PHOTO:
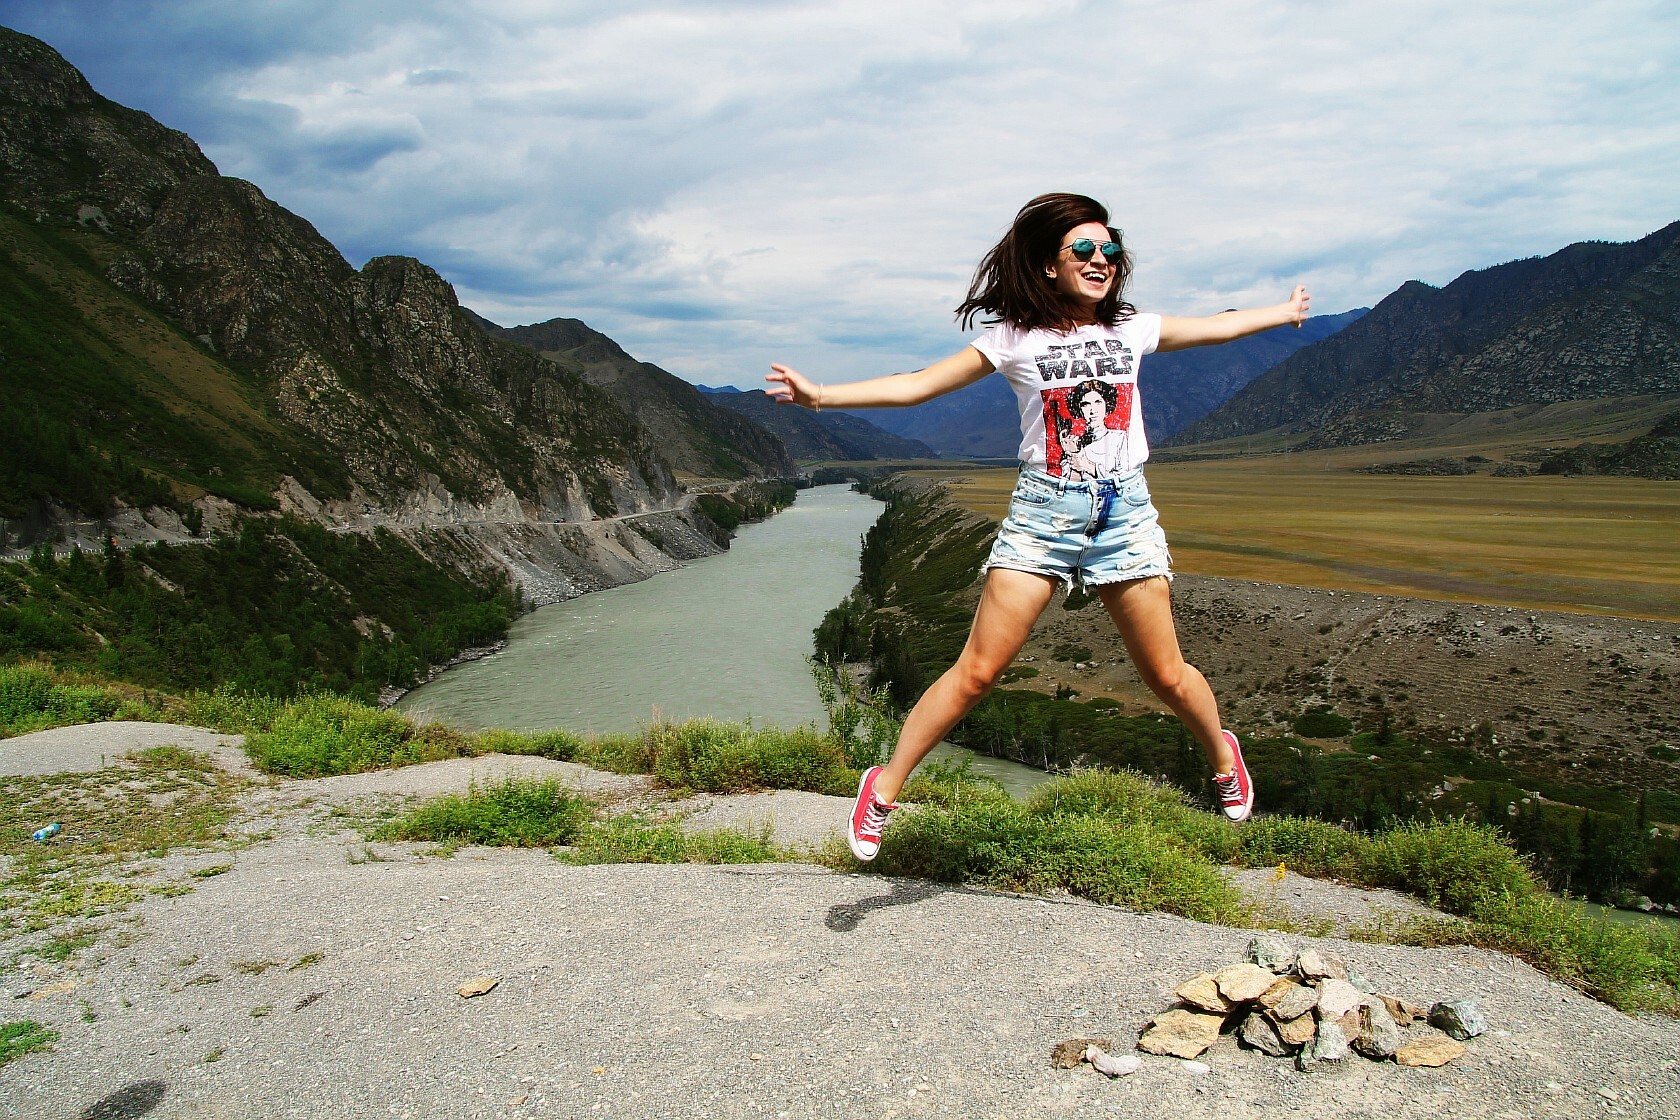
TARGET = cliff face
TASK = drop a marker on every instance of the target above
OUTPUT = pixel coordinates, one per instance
(694, 434)
(182, 349)
(1591, 320)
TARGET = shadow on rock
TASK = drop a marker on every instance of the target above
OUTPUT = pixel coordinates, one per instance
(844, 917)
(134, 1099)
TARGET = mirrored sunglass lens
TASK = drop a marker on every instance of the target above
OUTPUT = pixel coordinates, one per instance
(1111, 251)
(1082, 248)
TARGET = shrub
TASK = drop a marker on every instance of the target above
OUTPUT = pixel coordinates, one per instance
(519, 813)
(323, 734)
(1322, 723)
(1310, 846)
(1452, 865)
(721, 757)
(34, 697)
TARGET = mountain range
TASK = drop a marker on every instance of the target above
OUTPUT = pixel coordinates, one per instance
(828, 435)
(1593, 320)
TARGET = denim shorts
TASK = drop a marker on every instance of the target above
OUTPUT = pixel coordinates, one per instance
(1098, 532)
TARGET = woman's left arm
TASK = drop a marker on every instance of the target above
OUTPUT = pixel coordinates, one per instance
(1181, 334)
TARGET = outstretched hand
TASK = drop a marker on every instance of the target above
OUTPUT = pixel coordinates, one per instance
(1299, 301)
(793, 388)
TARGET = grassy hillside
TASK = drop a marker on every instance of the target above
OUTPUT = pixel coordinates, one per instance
(108, 400)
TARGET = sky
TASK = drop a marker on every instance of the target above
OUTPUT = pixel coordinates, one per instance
(718, 185)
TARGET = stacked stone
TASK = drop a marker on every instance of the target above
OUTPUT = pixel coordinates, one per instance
(1304, 1005)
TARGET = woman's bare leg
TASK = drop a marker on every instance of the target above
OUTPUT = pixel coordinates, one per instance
(1009, 605)
(1142, 610)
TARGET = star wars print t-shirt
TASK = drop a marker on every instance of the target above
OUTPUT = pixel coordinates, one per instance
(1081, 418)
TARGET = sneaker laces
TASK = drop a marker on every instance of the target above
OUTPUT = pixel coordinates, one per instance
(1227, 784)
(875, 815)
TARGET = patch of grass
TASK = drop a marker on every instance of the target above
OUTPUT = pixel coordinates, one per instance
(308, 960)
(261, 1012)
(254, 968)
(24, 1036)
(634, 839)
(1004, 846)
(215, 1055)
(519, 812)
(210, 872)
(324, 734)
(61, 946)
(721, 757)
(165, 798)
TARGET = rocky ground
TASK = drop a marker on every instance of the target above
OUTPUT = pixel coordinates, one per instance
(1560, 692)
(319, 977)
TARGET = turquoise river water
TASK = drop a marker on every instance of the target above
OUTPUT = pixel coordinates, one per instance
(725, 636)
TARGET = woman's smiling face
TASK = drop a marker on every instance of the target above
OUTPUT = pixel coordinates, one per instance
(1084, 282)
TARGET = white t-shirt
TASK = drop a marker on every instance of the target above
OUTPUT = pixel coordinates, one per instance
(1081, 417)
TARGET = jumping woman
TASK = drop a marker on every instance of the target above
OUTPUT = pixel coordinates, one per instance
(1069, 345)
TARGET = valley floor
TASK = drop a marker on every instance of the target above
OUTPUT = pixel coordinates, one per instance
(316, 976)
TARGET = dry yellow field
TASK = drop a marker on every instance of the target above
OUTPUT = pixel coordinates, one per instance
(1592, 545)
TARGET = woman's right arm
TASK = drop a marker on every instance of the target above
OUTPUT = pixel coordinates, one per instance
(895, 391)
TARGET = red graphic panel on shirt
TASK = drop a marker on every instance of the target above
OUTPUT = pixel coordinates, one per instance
(1085, 428)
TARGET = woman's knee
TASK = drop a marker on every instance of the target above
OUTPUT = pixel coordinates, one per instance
(974, 679)
(1165, 679)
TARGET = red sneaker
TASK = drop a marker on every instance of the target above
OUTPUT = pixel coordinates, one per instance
(1236, 792)
(869, 817)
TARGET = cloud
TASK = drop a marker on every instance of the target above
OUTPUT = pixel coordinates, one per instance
(721, 184)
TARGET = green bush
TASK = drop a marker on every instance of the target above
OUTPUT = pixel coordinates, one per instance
(320, 735)
(34, 697)
(1452, 865)
(562, 746)
(519, 813)
(721, 757)
(1322, 723)
(1304, 844)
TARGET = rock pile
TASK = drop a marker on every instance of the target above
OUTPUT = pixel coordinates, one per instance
(1302, 1005)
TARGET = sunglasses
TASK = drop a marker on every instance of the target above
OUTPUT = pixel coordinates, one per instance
(1083, 248)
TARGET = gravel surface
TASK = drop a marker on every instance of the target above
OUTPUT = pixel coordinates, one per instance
(95, 746)
(311, 981)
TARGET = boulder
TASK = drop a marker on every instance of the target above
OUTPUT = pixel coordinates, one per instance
(1272, 952)
(1431, 1050)
(1181, 1033)
(1336, 998)
(1314, 965)
(1260, 1033)
(1400, 1011)
(1460, 1018)
(1242, 983)
(1202, 991)
(1378, 1037)
(1298, 1031)
(1294, 1003)
(1327, 1050)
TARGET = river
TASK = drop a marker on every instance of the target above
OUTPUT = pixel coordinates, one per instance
(725, 636)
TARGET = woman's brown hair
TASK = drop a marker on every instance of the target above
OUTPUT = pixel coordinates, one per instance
(1010, 283)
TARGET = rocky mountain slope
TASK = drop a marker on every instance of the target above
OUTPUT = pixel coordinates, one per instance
(812, 436)
(377, 369)
(1178, 388)
(1593, 320)
(692, 433)
(178, 352)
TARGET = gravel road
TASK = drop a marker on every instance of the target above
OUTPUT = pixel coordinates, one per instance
(311, 981)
